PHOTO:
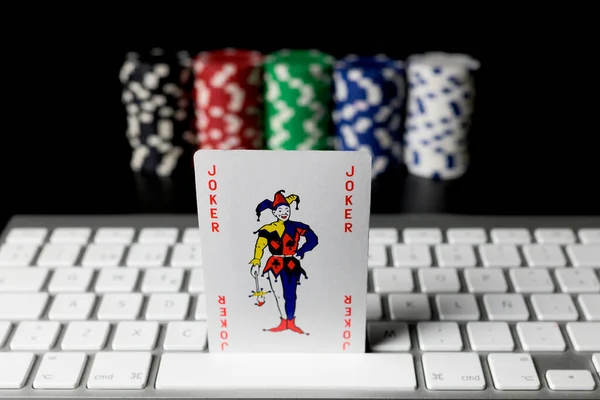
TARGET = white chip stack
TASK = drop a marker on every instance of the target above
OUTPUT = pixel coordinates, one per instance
(438, 119)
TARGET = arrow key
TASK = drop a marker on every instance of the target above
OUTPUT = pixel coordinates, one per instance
(60, 371)
(576, 379)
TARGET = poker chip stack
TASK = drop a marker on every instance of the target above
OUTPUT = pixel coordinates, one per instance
(298, 100)
(369, 100)
(156, 94)
(228, 99)
(439, 109)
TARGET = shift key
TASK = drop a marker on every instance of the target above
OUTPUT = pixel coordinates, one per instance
(116, 370)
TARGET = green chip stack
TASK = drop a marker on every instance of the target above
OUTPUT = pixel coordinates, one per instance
(298, 100)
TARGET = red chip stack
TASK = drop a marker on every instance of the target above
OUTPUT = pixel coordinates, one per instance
(228, 99)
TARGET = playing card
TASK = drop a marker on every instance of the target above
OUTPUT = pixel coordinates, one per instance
(284, 249)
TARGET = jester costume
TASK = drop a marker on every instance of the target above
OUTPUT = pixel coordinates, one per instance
(282, 238)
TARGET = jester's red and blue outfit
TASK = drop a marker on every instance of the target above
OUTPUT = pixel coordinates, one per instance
(282, 238)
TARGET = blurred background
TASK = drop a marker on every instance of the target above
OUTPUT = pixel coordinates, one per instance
(534, 141)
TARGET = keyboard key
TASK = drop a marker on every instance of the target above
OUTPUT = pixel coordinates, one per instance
(85, 335)
(120, 306)
(557, 236)
(158, 236)
(499, 255)
(114, 236)
(596, 362)
(584, 255)
(588, 235)
(439, 336)
(22, 279)
(570, 380)
(466, 235)
(377, 255)
(15, 369)
(191, 236)
(186, 336)
(577, 280)
(22, 306)
(103, 255)
(374, 308)
(457, 307)
(70, 235)
(584, 335)
(4, 331)
(73, 306)
(453, 371)
(510, 235)
(147, 255)
(505, 307)
(412, 256)
(200, 310)
(162, 280)
(114, 370)
(60, 371)
(531, 280)
(35, 335)
(59, 255)
(455, 255)
(392, 280)
(70, 280)
(388, 336)
(186, 255)
(17, 255)
(554, 307)
(383, 236)
(115, 280)
(344, 372)
(137, 335)
(409, 307)
(487, 280)
(26, 235)
(439, 280)
(590, 306)
(490, 336)
(544, 255)
(513, 371)
(196, 281)
(540, 336)
(422, 235)
(168, 307)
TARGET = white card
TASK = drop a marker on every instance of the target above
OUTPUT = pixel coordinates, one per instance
(295, 280)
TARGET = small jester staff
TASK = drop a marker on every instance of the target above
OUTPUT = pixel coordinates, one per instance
(282, 237)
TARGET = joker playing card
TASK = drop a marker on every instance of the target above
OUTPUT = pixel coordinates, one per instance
(284, 249)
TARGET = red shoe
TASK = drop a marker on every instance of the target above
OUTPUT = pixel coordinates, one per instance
(281, 327)
(291, 325)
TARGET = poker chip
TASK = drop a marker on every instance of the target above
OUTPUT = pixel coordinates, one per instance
(298, 100)
(369, 100)
(156, 95)
(228, 99)
(439, 109)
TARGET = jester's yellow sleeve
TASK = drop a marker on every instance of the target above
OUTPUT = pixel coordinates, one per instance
(261, 243)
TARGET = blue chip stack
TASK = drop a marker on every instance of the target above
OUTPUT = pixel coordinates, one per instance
(369, 100)
(439, 108)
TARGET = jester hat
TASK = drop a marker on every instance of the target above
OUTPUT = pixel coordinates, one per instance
(279, 200)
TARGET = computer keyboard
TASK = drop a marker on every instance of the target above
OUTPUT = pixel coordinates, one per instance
(458, 307)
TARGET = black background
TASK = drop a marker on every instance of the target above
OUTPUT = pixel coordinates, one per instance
(535, 142)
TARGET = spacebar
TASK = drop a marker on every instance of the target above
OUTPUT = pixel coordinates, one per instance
(275, 372)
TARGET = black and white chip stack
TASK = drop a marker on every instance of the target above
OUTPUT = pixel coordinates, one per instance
(157, 89)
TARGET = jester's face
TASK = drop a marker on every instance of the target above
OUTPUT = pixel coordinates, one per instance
(282, 213)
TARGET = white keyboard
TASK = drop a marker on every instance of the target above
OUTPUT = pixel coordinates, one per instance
(458, 307)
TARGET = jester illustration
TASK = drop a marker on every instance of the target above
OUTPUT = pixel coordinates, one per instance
(282, 237)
